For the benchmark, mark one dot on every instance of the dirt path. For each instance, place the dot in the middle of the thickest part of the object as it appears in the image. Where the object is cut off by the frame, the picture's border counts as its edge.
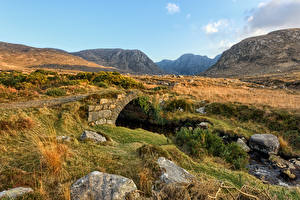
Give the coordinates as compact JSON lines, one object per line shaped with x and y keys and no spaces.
{"x":42,"y":103}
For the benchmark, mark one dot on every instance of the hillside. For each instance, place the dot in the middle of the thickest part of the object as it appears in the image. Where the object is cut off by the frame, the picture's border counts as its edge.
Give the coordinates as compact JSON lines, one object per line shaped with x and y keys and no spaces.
{"x":58,"y":129}
{"x":21,"y":57}
{"x":132,"y":61}
{"x":187,"y":64}
{"x":276,"y":52}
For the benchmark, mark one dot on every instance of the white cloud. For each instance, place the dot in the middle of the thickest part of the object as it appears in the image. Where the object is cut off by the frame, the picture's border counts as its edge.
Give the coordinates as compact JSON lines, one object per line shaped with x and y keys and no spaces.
{"x":273,"y":15}
{"x":261,"y":4}
{"x":188,"y":16}
{"x":250,"y":19}
{"x":172,"y":8}
{"x":215,"y":27}
{"x":225,"y":44}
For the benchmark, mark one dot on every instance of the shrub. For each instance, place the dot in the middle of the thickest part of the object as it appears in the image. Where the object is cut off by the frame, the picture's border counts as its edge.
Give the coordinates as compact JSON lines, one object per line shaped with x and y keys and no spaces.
{"x":159,"y":88}
{"x":177,"y":104}
{"x":56,"y":92}
{"x":199,"y":141}
{"x":235,"y":155}
{"x":13,"y":125}
{"x":102,"y":84}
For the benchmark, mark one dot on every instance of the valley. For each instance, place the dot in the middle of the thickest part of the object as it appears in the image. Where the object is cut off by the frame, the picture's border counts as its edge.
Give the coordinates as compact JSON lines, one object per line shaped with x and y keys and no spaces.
{"x":191,"y":121}
{"x":112,"y":124}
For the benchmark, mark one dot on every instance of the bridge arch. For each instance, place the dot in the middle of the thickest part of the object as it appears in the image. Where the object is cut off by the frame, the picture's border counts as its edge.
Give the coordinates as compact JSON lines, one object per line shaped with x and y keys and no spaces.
{"x":108,"y":110}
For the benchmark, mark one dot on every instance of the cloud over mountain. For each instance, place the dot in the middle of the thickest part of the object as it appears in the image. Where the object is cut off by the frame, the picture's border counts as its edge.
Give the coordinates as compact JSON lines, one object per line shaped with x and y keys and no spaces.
{"x":274,"y":14}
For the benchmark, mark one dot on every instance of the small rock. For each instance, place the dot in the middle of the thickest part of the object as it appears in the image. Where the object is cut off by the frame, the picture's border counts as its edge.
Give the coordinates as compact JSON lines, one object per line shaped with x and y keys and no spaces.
{"x":281,"y":163}
{"x":64,"y":139}
{"x":15,"y":192}
{"x":180,"y":109}
{"x":203,"y":125}
{"x":173,"y":173}
{"x":98,"y":185}
{"x":201,"y":110}
{"x":91,"y":135}
{"x":289,"y":174}
{"x":103,"y":101}
{"x":243,"y":145}
{"x":295,"y":161}
{"x":265,"y":143}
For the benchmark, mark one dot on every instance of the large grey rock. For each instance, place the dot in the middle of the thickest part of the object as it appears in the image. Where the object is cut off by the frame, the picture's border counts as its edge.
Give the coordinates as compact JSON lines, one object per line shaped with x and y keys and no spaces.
{"x":173,"y":173}
{"x":93,"y":136}
{"x":15,"y":192}
{"x":266,"y":143}
{"x":243,"y":145}
{"x":102,"y":186}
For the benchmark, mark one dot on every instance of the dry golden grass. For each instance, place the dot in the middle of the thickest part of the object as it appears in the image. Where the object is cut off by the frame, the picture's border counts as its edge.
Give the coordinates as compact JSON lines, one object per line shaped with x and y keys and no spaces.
{"x":227,"y":90}
{"x":52,"y":153}
{"x":273,"y":98}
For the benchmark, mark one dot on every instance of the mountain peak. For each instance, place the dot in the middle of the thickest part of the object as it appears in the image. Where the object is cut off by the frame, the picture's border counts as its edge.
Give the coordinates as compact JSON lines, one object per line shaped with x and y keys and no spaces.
{"x":133,"y":61}
{"x":187,"y":64}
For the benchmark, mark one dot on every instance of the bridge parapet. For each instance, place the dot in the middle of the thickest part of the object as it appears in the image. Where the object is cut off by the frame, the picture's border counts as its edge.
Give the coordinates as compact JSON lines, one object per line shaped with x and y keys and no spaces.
{"x":108,"y":110}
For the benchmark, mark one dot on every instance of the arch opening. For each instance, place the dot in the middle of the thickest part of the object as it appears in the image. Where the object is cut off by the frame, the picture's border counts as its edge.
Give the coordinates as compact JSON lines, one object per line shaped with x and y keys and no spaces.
{"x":132,"y":116}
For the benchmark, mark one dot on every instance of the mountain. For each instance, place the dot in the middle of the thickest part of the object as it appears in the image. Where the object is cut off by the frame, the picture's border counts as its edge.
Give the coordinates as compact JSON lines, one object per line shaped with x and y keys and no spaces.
{"x":133,"y":61}
{"x":20,"y":57}
{"x":276,"y":52}
{"x":187,"y":64}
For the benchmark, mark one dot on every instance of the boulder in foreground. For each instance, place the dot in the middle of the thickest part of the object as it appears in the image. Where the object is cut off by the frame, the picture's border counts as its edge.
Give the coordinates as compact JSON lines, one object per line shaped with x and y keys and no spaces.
{"x":15,"y":193}
{"x":102,"y":186}
{"x":173,"y":173}
{"x":92,"y":136}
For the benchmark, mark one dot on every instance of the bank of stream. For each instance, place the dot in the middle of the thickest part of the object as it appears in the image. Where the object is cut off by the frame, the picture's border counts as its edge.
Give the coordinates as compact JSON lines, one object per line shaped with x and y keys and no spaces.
{"x":132,"y":116}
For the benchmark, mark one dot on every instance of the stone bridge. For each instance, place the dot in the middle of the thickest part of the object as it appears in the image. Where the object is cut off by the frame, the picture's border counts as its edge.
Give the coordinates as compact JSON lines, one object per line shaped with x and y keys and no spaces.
{"x":108,"y":110}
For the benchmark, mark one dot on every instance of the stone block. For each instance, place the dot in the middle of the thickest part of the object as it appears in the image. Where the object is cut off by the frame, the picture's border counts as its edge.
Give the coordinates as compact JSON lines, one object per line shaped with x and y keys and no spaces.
{"x":100,"y":122}
{"x":103,"y":101}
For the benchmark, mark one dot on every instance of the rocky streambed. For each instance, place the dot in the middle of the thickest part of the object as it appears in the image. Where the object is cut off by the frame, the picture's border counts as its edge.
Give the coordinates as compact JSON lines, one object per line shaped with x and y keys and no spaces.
{"x":266,"y":165}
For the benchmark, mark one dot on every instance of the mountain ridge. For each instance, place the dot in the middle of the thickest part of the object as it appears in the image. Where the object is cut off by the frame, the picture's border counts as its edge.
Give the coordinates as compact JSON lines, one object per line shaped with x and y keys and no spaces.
{"x":132,"y":61}
{"x":187,"y":64}
{"x":21,"y":57}
{"x":275,"y":52}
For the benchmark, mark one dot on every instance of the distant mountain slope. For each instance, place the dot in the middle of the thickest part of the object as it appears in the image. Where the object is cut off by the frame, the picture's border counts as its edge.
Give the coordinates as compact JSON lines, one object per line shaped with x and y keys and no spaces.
{"x":187,"y":64}
{"x":276,"y":52}
{"x":18,"y":57}
{"x":133,"y":61}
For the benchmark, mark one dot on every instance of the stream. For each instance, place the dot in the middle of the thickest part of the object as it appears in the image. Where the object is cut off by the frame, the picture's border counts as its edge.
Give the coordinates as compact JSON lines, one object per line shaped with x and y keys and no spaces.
{"x":262,"y":168}
{"x":259,"y":164}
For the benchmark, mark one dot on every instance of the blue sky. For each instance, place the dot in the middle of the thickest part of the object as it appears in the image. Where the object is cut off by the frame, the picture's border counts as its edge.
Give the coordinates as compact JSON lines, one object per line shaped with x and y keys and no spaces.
{"x":162,"y":29}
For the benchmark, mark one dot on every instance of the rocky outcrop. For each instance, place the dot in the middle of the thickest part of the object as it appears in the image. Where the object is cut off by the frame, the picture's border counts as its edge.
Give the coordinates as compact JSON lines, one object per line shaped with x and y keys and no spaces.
{"x":132,"y":61}
{"x":276,"y":52}
{"x":15,"y":193}
{"x":98,"y":185}
{"x":171,"y":173}
{"x":187,"y":64}
{"x":265,"y":143}
{"x":92,"y":136}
